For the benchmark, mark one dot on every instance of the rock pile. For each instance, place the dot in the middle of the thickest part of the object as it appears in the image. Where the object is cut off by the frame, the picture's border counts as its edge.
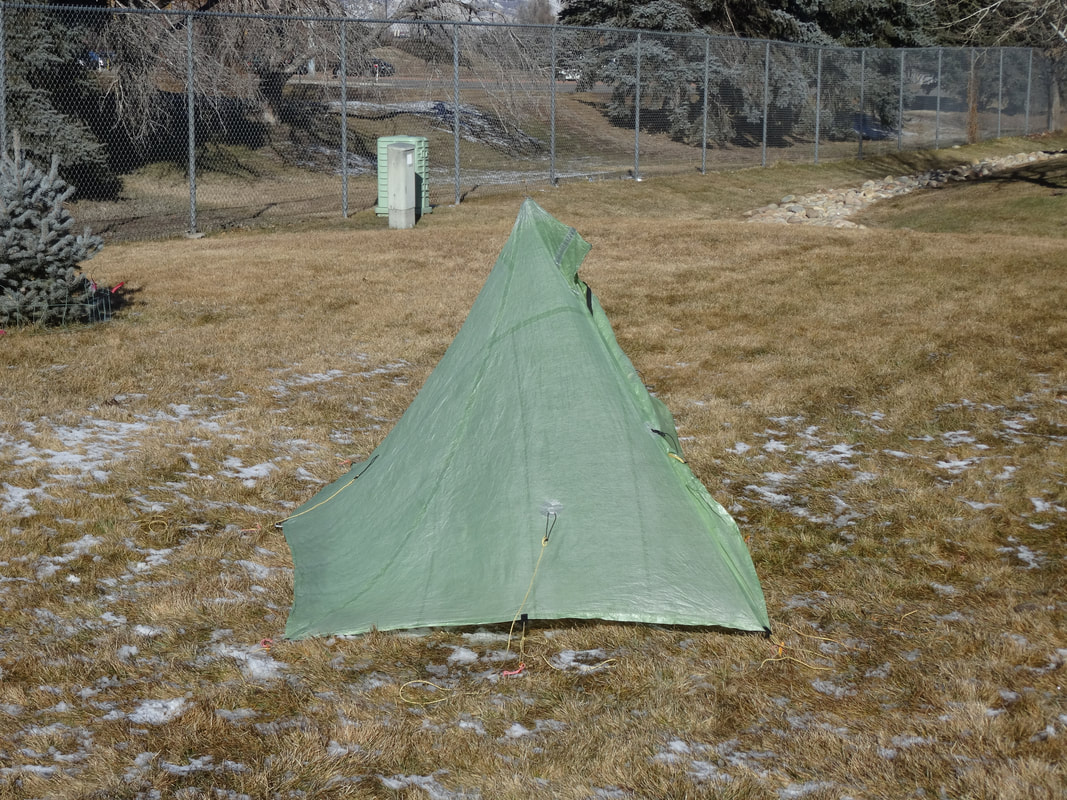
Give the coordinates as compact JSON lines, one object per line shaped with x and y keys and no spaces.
{"x":831,"y":208}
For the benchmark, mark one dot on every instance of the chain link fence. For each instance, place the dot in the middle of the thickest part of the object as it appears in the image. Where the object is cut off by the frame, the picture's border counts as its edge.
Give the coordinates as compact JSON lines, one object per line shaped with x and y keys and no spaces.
{"x":172,"y":122}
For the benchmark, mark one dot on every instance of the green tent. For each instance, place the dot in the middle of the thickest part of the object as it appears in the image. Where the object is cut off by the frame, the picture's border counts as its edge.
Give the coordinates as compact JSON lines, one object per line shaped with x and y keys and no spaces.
{"x":533,"y":473}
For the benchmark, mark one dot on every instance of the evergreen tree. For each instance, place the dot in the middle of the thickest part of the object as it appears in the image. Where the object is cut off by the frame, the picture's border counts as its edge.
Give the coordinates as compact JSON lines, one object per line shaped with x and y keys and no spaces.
{"x":40,"y":282}
{"x":853,"y":23}
{"x":53,"y":99}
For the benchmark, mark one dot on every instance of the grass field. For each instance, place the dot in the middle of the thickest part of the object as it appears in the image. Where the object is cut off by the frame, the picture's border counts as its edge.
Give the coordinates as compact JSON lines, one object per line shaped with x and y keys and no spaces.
{"x":883,"y":410}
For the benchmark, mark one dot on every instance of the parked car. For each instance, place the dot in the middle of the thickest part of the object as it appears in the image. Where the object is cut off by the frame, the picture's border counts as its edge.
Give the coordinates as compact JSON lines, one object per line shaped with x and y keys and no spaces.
{"x":95,"y":60}
{"x":869,"y":127}
{"x":370,"y":67}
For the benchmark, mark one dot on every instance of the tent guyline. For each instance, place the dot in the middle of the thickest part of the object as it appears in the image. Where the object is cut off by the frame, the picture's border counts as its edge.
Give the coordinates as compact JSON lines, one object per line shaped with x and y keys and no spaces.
{"x":533,"y":409}
{"x":328,"y":499}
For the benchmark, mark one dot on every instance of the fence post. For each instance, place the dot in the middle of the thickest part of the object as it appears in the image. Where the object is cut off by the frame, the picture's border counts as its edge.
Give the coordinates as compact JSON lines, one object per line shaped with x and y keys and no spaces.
{"x":1029,"y":78}
{"x":766,"y":97}
{"x":343,"y":53}
{"x":704,"y":137}
{"x":1000,"y":90}
{"x":937,"y":104}
{"x":900,"y":104}
{"x":455,"y":102}
{"x":818,"y":101}
{"x":552,"y":115}
{"x":190,"y":100}
{"x":863,"y":75}
{"x":974,"y":131}
{"x":1049,"y":119}
{"x":637,"y":114}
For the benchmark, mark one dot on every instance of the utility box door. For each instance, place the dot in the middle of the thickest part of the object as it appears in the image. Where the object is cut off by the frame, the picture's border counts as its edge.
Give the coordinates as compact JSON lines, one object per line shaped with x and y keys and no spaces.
{"x":422,"y":166}
{"x":401,"y":185}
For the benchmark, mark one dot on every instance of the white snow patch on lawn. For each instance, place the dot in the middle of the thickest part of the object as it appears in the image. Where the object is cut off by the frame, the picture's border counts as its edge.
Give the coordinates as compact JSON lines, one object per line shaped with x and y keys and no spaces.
{"x":774,"y":498}
{"x":956,"y":466}
{"x":517,"y":731}
{"x":255,"y":664}
{"x":580,"y":660}
{"x":236,"y":715}
{"x":835,"y":454}
{"x":257,"y":571}
{"x":462,"y":655}
{"x":15,"y":500}
{"x":831,"y":689}
{"x":159,"y":712}
{"x":234,"y":468}
{"x":428,"y":783}
{"x":795,"y":790}
{"x":1043,"y":506}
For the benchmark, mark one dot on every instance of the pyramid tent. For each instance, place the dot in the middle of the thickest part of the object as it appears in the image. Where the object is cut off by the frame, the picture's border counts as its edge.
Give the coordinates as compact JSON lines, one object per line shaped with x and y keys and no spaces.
{"x":533,"y":472}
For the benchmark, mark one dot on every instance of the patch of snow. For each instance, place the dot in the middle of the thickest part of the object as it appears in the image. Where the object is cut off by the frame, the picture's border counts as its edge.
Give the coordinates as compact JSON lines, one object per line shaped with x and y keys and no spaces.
{"x":676,"y":749}
{"x":236,"y":715}
{"x":579,"y":660}
{"x":958,"y":437}
{"x":771,"y":496}
{"x":910,"y":741}
{"x":428,"y":783}
{"x":706,"y":771}
{"x":1043,"y":506}
{"x":15,"y":500}
{"x":255,"y":664}
{"x":1024,"y":554}
{"x":159,"y":712}
{"x":126,"y":652}
{"x":795,"y":790}
{"x":482,"y":636}
{"x":336,"y":750}
{"x":468,"y":723}
{"x":836,"y":454}
{"x":257,"y":571}
{"x":878,"y":672}
{"x":202,"y":764}
{"x":462,"y":655}
{"x":831,"y":689}
{"x":956,"y":466}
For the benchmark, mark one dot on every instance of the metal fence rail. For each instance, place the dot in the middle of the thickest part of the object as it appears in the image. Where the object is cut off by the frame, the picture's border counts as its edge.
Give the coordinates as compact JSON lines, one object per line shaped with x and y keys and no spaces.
{"x":171,"y":122}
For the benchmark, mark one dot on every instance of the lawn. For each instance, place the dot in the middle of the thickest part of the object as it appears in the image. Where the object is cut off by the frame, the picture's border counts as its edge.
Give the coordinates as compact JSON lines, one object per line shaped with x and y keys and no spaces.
{"x":882,"y":410}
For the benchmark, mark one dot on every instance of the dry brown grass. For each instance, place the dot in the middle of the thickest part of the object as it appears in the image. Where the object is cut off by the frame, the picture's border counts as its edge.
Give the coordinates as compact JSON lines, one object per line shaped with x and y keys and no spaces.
{"x":903,"y":399}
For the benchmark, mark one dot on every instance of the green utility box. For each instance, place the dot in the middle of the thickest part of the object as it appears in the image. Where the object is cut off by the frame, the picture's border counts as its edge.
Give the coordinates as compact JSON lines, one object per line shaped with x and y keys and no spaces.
{"x":422,"y":167}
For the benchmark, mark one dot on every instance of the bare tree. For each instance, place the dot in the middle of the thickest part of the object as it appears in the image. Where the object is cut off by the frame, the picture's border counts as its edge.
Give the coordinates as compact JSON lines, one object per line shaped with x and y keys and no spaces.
{"x":237,"y":59}
{"x":1041,"y":23}
{"x":447,"y":11}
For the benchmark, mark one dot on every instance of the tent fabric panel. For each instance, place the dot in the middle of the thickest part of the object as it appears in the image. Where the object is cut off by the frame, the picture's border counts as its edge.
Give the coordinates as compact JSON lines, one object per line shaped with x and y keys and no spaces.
{"x":533,"y":407}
